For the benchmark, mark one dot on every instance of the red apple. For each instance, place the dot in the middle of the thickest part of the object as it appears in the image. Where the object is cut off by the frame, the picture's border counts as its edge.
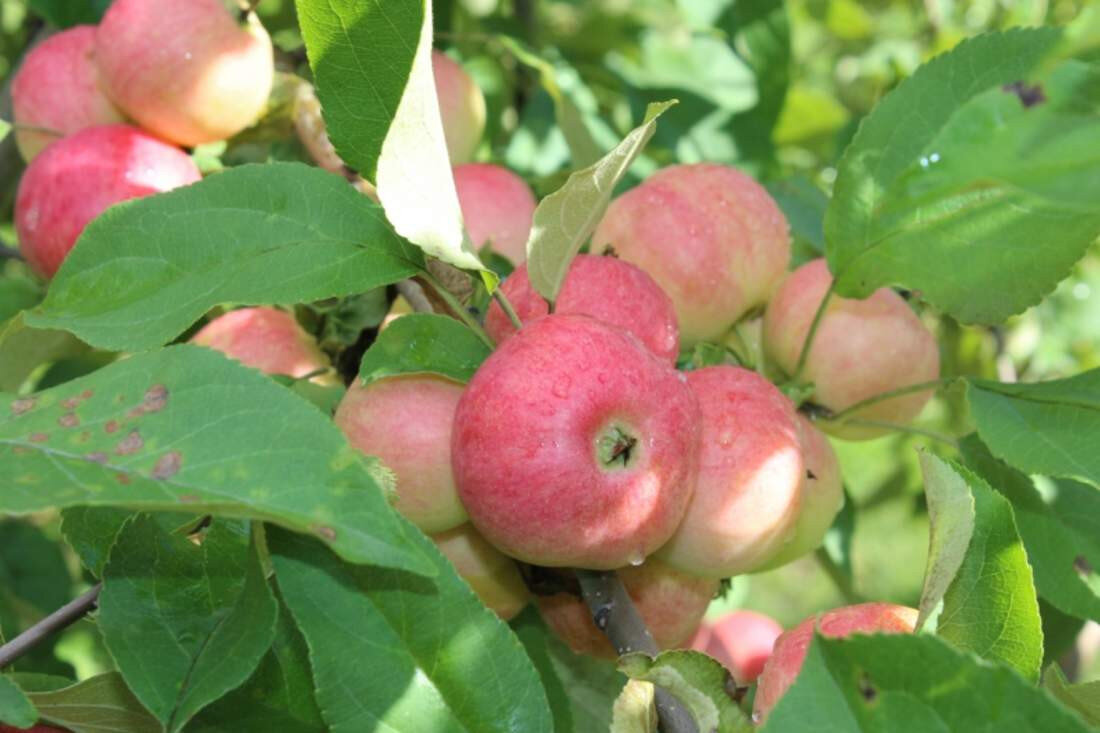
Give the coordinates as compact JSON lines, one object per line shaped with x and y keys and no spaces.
{"x":574,"y":446}
{"x":497,"y":207}
{"x":862,"y":348}
{"x":462,"y":107}
{"x":741,"y":640}
{"x":58,"y":88}
{"x":406,"y":421}
{"x":670,"y":603}
{"x":710,"y":236}
{"x":493,"y":575}
{"x":790,"y":648}
{"x":604,"y":288}
{"x":74,"y":180}
{"x":267,"y":339}
{"x":191,"y":72}
{"x":748,"y":494}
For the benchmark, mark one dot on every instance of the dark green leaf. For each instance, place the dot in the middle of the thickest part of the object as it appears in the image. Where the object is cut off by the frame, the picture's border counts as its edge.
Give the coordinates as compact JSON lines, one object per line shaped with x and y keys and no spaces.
{"x":804,"y":205}
{"x":15,"y":708}
{"x":91,"y":532}
{"x":32,"y":568}
{"x":67,"y":13}
{"x":102,"y":704}
{"x":24,"y":349}
{"x":420,"y":343}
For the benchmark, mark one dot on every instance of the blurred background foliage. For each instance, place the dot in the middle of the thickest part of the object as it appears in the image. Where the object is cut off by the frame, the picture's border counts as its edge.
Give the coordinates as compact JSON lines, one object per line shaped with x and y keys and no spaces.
{"x":776,"y":89}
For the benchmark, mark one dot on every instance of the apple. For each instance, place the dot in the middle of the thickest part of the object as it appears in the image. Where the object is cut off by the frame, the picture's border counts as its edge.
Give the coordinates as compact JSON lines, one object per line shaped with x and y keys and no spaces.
{"x":190,"y":72}
{"x":497,"y":207}
{"x":710,"y":236}
{"x":790,"y":648}
{"x":574,"y":446}
{"x":58,"y":89}
{"x":406,"y":421}
{"x":462,"y":107}
{"x":75,"y":179}
{"x":264,"y":338}
{"x":493,"y":575}
{"x":670,"y":603}
{"x":605,"y":288}
{"x":862,"y":348}
{"x":741,"y":640}
{"x":748,"y":494}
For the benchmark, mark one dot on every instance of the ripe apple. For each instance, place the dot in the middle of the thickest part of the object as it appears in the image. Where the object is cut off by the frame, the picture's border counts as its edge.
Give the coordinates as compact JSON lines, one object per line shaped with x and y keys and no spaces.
{"x":748,"y":494}
{"x":670,"y":603}
{"x":462,"y":107}
{"x":406,"y":421}
{"x":263,"y":338}
{"x":741,"y":640}
{"x":574,"y":446}
{"x":58,"y":88}
{"x":710,"y":236}
{"x":605,"y":288}
{"x":492,"y":574}
{"x":190,"y":72}
{"x":862,"y":348}
{"x":497,"y":207}
{"x":790,"y":648}
{"x":74,"y":180}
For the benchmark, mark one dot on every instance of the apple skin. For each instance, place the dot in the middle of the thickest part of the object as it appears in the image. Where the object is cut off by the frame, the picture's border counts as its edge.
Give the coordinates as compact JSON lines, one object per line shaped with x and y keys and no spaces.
{"x":790,"y":648}
{"x":78,"y":177}
{"x":493,"y":575}
{"x":711,"y":237}
{"x":497,"y":207}
{"x":862,"y":348}
{"x":748,"y":494}
{"x":461,"y":105}
{"x":741,"y":640}
{"x":58,"y":88}
{"x":670,"y":603}
{"x":407,"y":422}
{"x":538,"y":446}
{"x":264,"y":338}
{"x":605,"y":288}
{"x":189,"y":72}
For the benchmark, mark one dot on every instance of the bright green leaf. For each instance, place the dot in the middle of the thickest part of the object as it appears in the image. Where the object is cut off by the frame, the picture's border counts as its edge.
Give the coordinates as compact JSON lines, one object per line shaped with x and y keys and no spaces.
{"x":423,"y":343}
{"x":5,"y":128}
{"x":16,"y":709}
{"x":17,"y":293}
{"x":951,"y":520}
{"x":102,"y":704}
{"x":698,"y":681}
{"x":23,"y":349}
{"x":1083,"y":697}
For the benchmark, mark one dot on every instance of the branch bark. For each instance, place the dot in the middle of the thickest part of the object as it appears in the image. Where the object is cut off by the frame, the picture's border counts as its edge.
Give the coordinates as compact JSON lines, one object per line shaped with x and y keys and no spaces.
{"x":65,"y":616}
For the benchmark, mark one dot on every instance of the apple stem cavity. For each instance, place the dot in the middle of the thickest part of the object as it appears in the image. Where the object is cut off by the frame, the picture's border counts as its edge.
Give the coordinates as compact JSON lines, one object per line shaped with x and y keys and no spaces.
{"x":65,"y":616}
{"x":615,"y":447}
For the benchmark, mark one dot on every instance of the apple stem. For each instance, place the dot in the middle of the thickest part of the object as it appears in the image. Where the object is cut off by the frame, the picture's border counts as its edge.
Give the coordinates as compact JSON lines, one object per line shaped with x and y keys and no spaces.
{"x":9,"y":253}
{"x":506,"y":306}
{"x":66,"y":615}
{"x":615,"y":615}
{"x":908,"y":429}
{"x":805,"y":353}
{"x":841,"y":579}
{"x":456,"y":307}
{"x":883,"y":396}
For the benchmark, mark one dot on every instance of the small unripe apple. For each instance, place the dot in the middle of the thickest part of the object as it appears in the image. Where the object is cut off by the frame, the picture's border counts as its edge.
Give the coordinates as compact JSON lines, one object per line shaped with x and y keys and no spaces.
{"x":711,"y":237}
{"x":75,"y":179}
{"x":58,"y":88}
{"x":191,"y":72}
{"x":493,"y":575}
{"x":741,"y":640}
{"x":605,"y":288}
{"x":462,"y":107}
{"x":574,"y":446}
{"x":862,"y":348}
{"x":790,"y":648}
{"x":497,"y":208}
{"x":264,"y":338}
{"x":406,"y":421}
{"x":670,"y":603}
{"x":748,"y":494}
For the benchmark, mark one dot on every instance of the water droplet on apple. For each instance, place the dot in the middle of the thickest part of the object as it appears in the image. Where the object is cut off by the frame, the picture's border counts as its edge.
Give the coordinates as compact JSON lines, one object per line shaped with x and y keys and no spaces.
{"x":756,"y":718}
{"x":637,"y":560}
{"x":187,"y":56}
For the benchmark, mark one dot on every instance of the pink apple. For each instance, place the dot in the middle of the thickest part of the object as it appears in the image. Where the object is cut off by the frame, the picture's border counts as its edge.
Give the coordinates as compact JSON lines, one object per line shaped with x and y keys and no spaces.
{"x":741,"y":640}
{"x":462,"y":107}
{"x":790,"y":648}
{"x":604,"y":288}
{"x":748,"y":494}
{"x":493,"y":575}
{"x":191,"y":72}
{"x":497,"y":207}
{"x":710,"y":236}
{"x":58,"y":88}
{"x":263,"y":338}
{"x":862,"y":348}
{"x":670,"y":603}
{"x":574,"y":446}
{"x":74,"y":180}
{"x":406,"y":421}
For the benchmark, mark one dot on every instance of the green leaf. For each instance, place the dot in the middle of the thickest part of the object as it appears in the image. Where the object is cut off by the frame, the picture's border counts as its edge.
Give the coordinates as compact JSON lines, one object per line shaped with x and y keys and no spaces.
{"x":186,"y":429}
{"x":23,"y":349}
{"x":278,"y":233}
{"x":17,"y":293}
{"x":5,"y":128}
{"x":403,"y":652}
{"x":698,"y":681}
{"x":16,"y":709}
{"x":91,"y":532}
{"x":67,"y":13}
{"x":902,"y":683}
{"x":1047,"y":428}
{"x":804,"y":205}
{"x":979,"y":200}
{"x":32,"y":568}
{"x":1083,"y":697}
{"x":951,"y":520}
{"x":102,"y":704}
{"x":565,"y":219}
{"x":635,"y":709}
{"x":423,"y":343}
